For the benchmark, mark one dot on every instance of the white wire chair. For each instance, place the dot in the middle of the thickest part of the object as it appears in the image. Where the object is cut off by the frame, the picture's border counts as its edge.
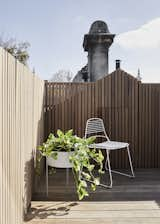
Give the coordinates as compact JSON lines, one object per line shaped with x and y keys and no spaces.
{"x":95,"y":127}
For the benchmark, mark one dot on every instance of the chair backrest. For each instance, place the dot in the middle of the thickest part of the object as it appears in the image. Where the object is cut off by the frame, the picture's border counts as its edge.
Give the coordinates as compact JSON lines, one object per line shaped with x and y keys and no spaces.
{"x":95,"y":127}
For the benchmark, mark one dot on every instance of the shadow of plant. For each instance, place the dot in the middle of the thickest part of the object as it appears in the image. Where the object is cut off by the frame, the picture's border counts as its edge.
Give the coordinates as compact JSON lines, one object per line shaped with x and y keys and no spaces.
{"x":46,"y":211}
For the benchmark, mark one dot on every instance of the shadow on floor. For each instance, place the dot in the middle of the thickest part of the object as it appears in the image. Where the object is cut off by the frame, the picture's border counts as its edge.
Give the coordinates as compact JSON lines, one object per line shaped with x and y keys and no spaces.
{"x":47,"y":211}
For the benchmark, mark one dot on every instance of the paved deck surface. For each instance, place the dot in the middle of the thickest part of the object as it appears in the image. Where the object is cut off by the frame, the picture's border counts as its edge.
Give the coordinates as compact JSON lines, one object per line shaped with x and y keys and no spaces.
{"x":129,"y":201}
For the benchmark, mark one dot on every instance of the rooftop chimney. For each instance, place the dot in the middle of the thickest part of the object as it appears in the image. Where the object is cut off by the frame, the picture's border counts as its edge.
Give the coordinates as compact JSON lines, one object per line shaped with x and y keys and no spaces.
{"x":97,"y":43}
{"x":118,"y":64}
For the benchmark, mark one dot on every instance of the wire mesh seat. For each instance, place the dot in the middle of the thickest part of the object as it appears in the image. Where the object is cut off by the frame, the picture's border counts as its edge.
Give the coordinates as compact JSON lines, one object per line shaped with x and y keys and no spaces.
{"x":95,"y":127}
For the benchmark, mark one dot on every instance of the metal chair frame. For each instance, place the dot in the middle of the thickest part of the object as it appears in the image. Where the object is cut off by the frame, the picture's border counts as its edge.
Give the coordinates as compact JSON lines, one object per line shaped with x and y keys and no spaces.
{"x":95,"y":127}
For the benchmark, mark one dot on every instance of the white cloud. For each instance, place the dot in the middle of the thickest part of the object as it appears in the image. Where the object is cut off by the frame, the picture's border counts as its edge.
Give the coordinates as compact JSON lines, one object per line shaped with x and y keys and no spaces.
{"x":145,"y":37}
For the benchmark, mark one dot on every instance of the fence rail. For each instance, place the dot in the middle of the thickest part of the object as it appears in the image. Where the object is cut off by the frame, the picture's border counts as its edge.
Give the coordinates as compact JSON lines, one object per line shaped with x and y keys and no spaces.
{"x":21,"y":129}
{"x":130,"y":110}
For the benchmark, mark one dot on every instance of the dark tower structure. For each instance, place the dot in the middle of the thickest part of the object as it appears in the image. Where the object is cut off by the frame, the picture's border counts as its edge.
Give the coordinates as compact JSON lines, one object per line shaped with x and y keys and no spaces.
{"x":97,"y":43}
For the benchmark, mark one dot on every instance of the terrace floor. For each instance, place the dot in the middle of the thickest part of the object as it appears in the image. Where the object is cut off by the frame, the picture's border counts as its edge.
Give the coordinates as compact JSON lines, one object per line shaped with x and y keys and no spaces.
{"x":129,"y":201}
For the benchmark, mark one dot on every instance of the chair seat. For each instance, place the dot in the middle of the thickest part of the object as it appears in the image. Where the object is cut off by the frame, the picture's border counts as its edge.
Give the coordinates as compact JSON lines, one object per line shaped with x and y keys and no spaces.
{"x":110,"y":145}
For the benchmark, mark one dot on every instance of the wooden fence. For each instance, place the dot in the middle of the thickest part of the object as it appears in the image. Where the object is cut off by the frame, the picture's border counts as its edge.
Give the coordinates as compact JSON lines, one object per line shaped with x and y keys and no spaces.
{"x":21,"y":129}
{"x":130,"y":110}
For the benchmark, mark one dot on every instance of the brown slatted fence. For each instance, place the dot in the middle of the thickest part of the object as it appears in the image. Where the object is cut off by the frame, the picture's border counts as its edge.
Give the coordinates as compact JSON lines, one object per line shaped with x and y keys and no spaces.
{"x":149,"y":125}
{"x":130,"y":110}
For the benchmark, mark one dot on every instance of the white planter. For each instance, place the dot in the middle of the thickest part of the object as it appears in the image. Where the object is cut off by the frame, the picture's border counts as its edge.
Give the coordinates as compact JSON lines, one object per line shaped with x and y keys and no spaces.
{"x":62,"y":160}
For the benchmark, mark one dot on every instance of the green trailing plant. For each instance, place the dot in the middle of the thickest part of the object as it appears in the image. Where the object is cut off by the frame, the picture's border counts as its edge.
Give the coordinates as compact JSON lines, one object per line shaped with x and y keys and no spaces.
{"x":83,"y":159}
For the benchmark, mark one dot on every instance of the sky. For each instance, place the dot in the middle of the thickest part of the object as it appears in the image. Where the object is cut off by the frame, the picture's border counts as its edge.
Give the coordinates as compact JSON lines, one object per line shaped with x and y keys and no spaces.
{"x":55,"y":31}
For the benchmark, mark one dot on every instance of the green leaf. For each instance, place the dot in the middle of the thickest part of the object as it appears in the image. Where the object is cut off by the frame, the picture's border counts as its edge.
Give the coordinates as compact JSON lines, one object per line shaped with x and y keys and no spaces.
{"x":93,"y":187}
{"x":91,"y":167}
{"x":90,"y":140}
{"x":82,"y":193}
{"x":83,"y":184}
{"x":54,"y":155}
{"x":60,"y":133}
{"x":101,"y":171}
{"x":96,"y":181}
{"x":69,"y":133}
{"x":86,"y":175}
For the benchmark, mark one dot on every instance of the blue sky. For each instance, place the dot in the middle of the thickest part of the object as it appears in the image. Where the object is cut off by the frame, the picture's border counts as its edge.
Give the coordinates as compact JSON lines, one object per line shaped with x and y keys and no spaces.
{"x":55,"y":30}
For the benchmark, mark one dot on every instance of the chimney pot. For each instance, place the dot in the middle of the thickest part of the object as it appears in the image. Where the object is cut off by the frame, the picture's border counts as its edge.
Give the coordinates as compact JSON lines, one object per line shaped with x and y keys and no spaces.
{"x":118,"y":64}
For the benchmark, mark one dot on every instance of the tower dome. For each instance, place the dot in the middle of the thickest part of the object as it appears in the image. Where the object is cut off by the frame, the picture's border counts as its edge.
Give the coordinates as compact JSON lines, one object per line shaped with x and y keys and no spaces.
{"x":98,"y":27}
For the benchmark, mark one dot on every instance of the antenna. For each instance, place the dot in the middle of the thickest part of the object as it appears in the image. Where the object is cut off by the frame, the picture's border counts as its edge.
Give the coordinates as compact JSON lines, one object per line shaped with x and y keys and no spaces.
{"x":139,"y":78}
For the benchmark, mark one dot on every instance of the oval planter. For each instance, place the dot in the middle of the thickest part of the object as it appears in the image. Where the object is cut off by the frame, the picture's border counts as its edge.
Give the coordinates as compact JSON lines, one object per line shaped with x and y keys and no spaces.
{"x":62,"y":160}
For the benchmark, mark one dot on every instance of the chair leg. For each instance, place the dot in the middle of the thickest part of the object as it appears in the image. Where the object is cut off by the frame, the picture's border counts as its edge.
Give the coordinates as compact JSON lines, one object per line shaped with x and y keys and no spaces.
{"x":109,"y":168}
{"x":46,"y":178}
{"x":130,"y":161}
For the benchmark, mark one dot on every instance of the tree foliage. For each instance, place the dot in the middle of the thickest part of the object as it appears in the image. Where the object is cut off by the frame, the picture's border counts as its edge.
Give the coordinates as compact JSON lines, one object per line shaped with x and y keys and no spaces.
{"x":18,"y":50}
{"x":62,"y":76}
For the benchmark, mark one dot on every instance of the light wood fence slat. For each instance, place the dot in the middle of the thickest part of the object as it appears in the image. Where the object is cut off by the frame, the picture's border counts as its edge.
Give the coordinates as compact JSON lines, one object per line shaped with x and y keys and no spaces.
{"x":21,"y":130}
